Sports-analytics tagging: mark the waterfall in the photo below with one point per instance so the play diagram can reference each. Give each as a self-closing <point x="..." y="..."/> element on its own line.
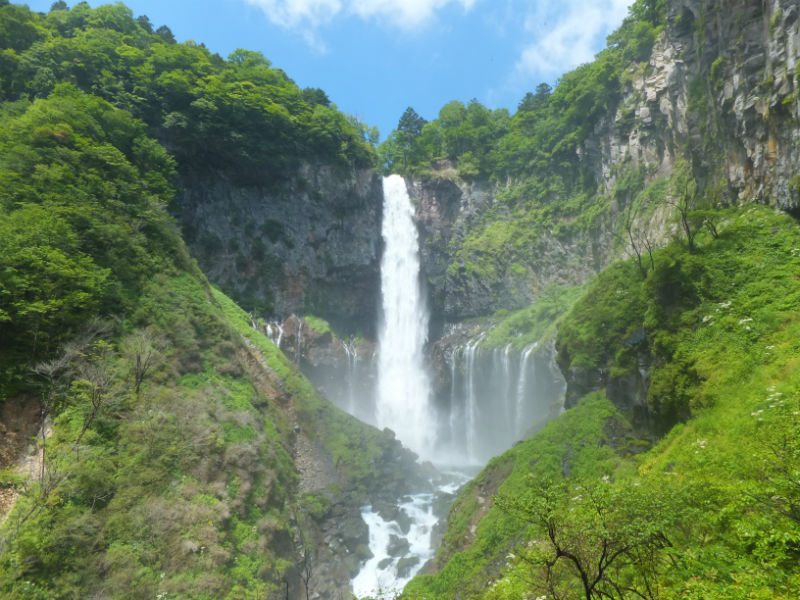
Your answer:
<point x="471" y="412"/>
<point x="299" y="340"/>
<point x="453" y="420"/>
<point x="403" y="398"/>
<point x="275" y="333"/>
<point x="351" y="350"/>
<point x="521" y="388"/>
<point x="507" y="391"/>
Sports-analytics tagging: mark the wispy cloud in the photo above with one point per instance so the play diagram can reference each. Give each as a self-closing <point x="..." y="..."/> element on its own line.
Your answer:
<point x="565" y="34"/>
<point x="308" y="15"/>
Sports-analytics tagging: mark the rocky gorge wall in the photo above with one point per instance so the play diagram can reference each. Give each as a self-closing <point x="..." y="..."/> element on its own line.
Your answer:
<point x="308" y="245"/>
<point x="719" y="92"/>
<point x="721" y="88"/>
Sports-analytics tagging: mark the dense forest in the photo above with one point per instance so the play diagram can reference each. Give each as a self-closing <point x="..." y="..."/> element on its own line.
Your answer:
<point x="172" y="438"/>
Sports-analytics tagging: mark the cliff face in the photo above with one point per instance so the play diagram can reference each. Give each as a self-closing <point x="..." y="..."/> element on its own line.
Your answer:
<point x="718" y="94"/>
<point x="309" y="245"/>
<point x="448" y="209"/>
<point x="721" y="88"/>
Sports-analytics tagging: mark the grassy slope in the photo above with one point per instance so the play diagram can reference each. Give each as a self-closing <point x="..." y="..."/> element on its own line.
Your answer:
<point x="722" y="325"/>
<point x="188" y="487"/>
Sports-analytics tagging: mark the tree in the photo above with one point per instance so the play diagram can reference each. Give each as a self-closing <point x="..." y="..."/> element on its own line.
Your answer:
<point x="306" y="551"/>
<point x="142" y="350"/>
<point x="93" y="385"/>
<point x="683" y="197"/>
<point x="533" y="102"/>
<point x="601" y="541"/>
<point x="638" y="240"/>
<point x="409" y="128"/>
<point x="165" y="33"/>
<point x="51" y="372"/>
<point x="316" y="96"/>
<point x="144" y="23"/>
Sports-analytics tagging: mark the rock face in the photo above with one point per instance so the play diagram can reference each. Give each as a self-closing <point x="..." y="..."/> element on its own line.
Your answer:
<point x="446" y="209"/>
<point x="720" y="91"/>
<point x="309" y="245"/>
<point x="722" y="85"/>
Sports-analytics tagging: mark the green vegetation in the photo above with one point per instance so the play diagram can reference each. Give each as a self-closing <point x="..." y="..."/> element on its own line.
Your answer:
<point x="150" y="491"/>
<point x="319" y="325"/>
<point x="83" y="225"/>
<point x="540" y="140"/>
<point x="169" y="470"/>
<point x="711" y="511"/>
<point x="239" y="115"/>
<point x="535" y="323"/>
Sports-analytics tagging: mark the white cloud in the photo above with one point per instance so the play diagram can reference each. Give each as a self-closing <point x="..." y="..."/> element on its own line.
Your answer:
<point x="294" y="13"/>
<point x="308" y="15"/>
<point x="407" y="14"/>
<point x="565" y="33"/>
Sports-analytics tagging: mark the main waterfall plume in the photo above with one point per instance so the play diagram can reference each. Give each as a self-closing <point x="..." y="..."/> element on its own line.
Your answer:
<point x="404" y="390"/>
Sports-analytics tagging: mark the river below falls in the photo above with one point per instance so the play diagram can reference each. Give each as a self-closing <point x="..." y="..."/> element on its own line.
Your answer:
<point x="401" y="546"/>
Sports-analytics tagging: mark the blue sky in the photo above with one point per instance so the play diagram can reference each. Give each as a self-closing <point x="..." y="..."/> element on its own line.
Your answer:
<point x="376" y="57"/>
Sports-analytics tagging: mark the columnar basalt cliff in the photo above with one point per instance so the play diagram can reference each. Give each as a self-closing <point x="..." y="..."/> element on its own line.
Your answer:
<point x="721" y="88"/>
<point x="308" y="245"/>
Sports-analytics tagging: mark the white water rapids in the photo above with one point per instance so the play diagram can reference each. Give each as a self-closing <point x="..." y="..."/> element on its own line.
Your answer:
<point x="385" y="575"/>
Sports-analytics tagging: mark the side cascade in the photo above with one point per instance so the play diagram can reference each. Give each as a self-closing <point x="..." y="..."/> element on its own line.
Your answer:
<point x="496" y="396"/>
<point x="404" y="390"/>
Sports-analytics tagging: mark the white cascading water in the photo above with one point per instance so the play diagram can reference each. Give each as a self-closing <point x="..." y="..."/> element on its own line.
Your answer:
<point x="384" y="575"/>
<point x="471" y="410"/>
<point x="521" y="388"/>
<point x="351" y="350"/>
<point x="403" y="402"/>
<point x="381" y="577"/>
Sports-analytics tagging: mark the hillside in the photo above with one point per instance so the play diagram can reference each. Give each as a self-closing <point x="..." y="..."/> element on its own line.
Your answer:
<point x="703" y="350"/>
<point x="627" y="205"/>
<point x="179" y="453"/>
<point x="629" y="236"/>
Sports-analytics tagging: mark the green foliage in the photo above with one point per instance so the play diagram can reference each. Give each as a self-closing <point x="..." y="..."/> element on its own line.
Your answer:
<point x="82" y="224"/>
<point x="239" y="115"/>
<point x="543" y="135"/>
<point x="169" y="470"/>
<point x="535" y="323"/>
<point x="320" y="326"/>
<point x="138" y="497"/>
<point x="711" y="511"/>
<point x="601" y="322"/>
